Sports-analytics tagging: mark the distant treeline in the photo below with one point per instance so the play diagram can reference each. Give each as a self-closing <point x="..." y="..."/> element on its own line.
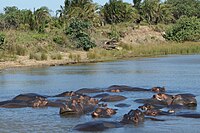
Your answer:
<point x="89" y="14"/>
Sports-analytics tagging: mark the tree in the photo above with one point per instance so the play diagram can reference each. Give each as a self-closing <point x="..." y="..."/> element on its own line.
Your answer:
<point x="79" y="9"/>
<point x="41" y="18"/>
<point x="11" y="17"/>
<point x="187" y="8"/>
<point x="78" y="32"/>
<point x="186" y="29"/>
<point x="137" y="4"/>
<point x="2" y="40"/>
<point x="154" y="12"/>
<point x="117" y="11"/>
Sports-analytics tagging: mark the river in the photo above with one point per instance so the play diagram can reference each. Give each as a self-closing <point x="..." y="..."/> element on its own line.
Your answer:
<point x="179" y="74"/>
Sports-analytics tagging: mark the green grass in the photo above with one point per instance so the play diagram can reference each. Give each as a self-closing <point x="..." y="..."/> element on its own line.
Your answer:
<point x="129" y="51"/>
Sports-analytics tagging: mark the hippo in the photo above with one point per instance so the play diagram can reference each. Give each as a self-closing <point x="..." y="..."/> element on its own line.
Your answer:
<point x="26" y="100"/>
<point x="179" y="99"/>
<point x="121" y="88"/>
<point x="158" y="89"/>
<point x="113" y="98"/>
<point x="97" y="126"/>
<point x="189" y="115"/>
<point x="101" y="95"/>
<point x="155" y="112"/>
<point x="103" y="112"/>
<point x="79" y="105"/>
<point x="185" y="100"/>
<point x="148" y="106"/>
<point x="89" y="90"/>
<point x="122" y="105"/>
<point x="166" y="100"/>
<point x="133" y="116"/>
<point x="13" y="104"/>
<point x="66" y="94"/>
<point x="29" y="97"/>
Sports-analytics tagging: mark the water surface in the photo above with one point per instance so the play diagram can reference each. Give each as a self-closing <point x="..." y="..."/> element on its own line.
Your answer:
<point x="179" y="74"/>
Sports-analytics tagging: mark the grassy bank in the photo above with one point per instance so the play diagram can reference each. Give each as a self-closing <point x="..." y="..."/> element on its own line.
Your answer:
<point x="29" y="48"/>
<point x="129" y="51"/>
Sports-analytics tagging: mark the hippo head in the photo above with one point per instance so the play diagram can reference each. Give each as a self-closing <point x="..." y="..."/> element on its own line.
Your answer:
<point x="133" y="116"/>
<point x="158" y="89"/>
<point x="163" y="97"/>
<point x="152" y="112"/>
<point x="184" y="100"/>
<point x="146" y="107"/>
<point x="115" y="90"/>
<point x="38" y="102"/>
<point x="103" y="112"/>
<point x="72" y="107"/>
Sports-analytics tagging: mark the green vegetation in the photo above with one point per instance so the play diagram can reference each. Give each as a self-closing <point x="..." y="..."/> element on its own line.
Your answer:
<point x="186" y="29"/>
<point x="78" y="31"/>
<point x="129" y="51"/>
<point x="82" y="25"/>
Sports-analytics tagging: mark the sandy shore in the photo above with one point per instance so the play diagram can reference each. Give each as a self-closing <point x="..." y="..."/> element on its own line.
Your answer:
<point x="24" y="61"/>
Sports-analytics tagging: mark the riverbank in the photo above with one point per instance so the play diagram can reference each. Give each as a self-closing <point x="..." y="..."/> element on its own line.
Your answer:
<point x="99" y="54"/>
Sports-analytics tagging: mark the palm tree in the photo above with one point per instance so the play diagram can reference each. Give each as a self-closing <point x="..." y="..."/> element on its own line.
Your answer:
<point x="81" y="9"/>
<point x="41" y="17"/>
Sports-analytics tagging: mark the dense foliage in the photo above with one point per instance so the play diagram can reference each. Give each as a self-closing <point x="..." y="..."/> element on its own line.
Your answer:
<point x="187" y="8"/>
<point x="117" y="11"/>
<point x="2" y="40"/>
<point x="76" y="17"/>
<point x="186" y="29"/>
<point x="78" y="31"/>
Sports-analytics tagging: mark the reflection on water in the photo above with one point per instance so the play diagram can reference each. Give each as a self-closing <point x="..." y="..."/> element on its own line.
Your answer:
<point x="179" y="74"/>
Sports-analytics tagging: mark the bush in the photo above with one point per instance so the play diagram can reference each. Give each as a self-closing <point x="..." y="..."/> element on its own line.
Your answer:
<point x="78" y="32"/>
<point x="35" y="56"/>
<point x="59" y="40"/>
<point x="114" y="34"/>
<point x="38" y="56"/>
<point x="56" y="56"/>
<point x="44" y="56"/>
<point x="2" y="39"/>
<point x="186" y="29"/>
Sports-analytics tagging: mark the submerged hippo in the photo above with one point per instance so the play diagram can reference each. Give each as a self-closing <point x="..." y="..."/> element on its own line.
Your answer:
<point x="121" y="88"/>
<point x="79" y="105"/>
<point x="122" y="105"/>
<point x="66" y="94"/>
<point x="148" y="106"/>
<point x="113" y="98"/>
<point x="13" y="104"/>
<point x="103" y="112"/>
<point x="88" y="90"/>
<point x="97" y="126"/>
<point x="179" y="99"/>
<point x="158" y="89"/>
<point x="189" y="115"/>
<point x="133" y="116"/>
<point x="101" y="95"/>
<point x="26" y="100"/>
<point x="166" y="100"/>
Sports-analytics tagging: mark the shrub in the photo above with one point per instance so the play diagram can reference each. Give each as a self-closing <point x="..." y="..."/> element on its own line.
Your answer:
<point x="114" y="34"/>
<point x="43" y="56"/>
<point x="35" y="56"/>
<point x="58" y="39"/>
<point x="78" y="31"/>
<point x="186" y="29"/>
<point x="56" y="56"/>
<point x="2" y="40"/>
